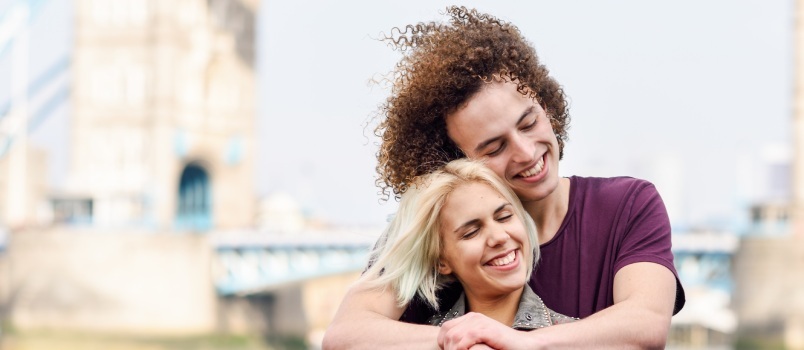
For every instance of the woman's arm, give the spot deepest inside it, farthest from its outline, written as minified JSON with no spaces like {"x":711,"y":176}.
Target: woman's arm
{"x":367,"y":319}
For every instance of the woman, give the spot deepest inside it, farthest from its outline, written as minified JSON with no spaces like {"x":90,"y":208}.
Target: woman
{"x":474,"y":87}
{"x":463,"y":223}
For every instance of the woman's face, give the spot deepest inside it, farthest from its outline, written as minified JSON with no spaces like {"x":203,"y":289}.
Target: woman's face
{"x":484,"y":244}
{"x":513,"y":135}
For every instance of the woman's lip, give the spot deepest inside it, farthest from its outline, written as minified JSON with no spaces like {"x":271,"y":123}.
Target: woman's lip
{"x":514,"y":264}
{"x":501,"y":255}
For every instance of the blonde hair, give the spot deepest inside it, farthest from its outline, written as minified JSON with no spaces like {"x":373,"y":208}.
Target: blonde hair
{"x":406,"y":256}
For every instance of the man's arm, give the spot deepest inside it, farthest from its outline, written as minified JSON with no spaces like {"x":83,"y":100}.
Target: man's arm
{"x":644,"y":294}
{"x":367,"y":319}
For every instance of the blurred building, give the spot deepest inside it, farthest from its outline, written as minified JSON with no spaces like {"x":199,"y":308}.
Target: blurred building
{"x":280,"y":212}
{"x":162,"y":124}
{"x":163,"y":114}
{"x":770,"y":262}
{"x":162,"y":118}
{"x":156,"y":228}
{"x":703,"y":259}
{"x":23,"y":189}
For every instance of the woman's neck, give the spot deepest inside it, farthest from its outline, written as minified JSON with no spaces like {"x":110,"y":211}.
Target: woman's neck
{"x":549,"y":213}
{"x":502,"y":308}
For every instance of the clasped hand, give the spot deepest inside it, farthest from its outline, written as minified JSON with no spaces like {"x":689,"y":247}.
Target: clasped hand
{"x":476,"y":331}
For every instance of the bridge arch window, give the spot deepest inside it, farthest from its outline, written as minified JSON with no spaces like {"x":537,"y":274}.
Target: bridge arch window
{"x":194,"y":199}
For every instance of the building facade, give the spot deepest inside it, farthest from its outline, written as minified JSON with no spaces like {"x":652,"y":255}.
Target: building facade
{"x":769,"y":264}
{"x":163,"y":115}
{"x":162,"y":140}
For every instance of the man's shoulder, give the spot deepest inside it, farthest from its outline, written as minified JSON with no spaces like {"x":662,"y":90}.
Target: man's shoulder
{"x":609,"y":195}
{"x":609,"y":181}
{"x":607,"y":186}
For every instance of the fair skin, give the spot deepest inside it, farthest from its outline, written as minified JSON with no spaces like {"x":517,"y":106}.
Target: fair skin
{"x":512,"y":134}
{"x":517,"y":142}
{"x":486,"y":248}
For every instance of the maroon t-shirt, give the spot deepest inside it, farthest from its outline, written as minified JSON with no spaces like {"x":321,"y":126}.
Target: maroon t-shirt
{"x":610,"y":223}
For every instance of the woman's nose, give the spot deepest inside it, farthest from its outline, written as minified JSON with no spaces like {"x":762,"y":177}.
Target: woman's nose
{"x":497,"y":237}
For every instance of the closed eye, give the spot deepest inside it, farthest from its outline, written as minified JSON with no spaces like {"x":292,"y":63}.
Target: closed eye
{"x":505,"y":217}
{"x":470,"y":234}
{"x":529,"y":126}
{"x":504,"y":212}
{"x":497,"y":151}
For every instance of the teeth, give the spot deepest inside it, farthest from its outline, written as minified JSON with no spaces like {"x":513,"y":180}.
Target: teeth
{"x":534,"y":170}
{"x":504,"y":260}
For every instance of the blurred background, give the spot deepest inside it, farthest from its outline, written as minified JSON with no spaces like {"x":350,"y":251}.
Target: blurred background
{"x":199,"y":174}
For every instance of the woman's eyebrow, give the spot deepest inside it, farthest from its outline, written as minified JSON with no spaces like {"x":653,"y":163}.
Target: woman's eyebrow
{"x":476,"y":221}
{"x":500,"y":208}
{"x":468,"y":223}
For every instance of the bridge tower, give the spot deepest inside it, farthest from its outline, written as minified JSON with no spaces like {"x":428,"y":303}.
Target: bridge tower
{"x":163,"y":114}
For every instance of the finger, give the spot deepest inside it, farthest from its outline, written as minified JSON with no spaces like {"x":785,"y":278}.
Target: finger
{"x":481,"y":346}
{"x":466,"y":331}
{"x":462,"y":338}
{"x":448,"y":327}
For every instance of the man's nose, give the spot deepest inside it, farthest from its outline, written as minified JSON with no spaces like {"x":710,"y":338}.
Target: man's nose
{"x":523,"y":150}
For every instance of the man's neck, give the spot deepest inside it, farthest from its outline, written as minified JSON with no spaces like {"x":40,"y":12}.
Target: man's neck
{"x":549,"y":213}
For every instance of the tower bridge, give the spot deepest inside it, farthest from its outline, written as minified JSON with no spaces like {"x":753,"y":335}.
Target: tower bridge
{"x":704,"y":264}
{"x":254,"y":263}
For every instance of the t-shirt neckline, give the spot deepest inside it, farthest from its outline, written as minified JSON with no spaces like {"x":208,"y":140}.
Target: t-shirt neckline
{"x":570,"y":211}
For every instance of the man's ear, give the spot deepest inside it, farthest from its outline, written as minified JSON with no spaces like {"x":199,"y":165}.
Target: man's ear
{"x":443,"y":267}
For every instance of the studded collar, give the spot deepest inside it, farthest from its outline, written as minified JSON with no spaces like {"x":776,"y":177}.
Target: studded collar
{"x":531,"y":313}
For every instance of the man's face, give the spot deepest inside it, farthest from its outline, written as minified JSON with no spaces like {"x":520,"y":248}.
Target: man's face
{"x":512,"y":134}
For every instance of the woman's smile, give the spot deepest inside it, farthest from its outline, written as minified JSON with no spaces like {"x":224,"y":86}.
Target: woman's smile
{"x":484,"y":242}
{"x":507,"y":261}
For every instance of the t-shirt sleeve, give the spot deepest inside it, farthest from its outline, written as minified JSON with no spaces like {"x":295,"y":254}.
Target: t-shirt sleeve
{"x":647,"y":236}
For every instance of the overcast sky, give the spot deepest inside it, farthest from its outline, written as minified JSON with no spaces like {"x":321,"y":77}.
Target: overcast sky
{"x":689,"y":94}
{"x":693,"y":95}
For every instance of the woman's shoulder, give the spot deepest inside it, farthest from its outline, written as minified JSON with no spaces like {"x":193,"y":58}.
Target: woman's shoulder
{"x":457,"y":310}
{"x":534,"y":314}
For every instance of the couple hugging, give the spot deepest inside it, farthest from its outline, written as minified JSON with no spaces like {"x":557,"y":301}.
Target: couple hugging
{"x":490,"y":246}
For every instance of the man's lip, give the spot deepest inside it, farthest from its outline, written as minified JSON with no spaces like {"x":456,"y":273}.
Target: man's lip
{"x":543,"y":157}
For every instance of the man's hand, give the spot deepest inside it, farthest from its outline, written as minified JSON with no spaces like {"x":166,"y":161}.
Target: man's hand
{"x":476,"y":331}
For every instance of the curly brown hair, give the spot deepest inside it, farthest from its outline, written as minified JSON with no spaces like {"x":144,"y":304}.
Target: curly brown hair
{"x":443,"y":65}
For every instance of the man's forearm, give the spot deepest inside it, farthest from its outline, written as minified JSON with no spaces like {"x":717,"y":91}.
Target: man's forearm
{"x":639,"y":319}
{"x":378,"y":332}
{"x":621,"y":326}
{"x":367,"y":319}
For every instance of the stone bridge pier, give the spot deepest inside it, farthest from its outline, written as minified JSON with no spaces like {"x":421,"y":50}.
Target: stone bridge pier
{"x":177,"y":284}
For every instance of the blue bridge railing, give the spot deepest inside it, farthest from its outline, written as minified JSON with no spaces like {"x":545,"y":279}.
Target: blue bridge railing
{"x":257,"y":263}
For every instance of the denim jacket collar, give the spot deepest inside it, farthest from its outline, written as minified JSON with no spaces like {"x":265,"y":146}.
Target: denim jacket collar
{"x":531,"y":313}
